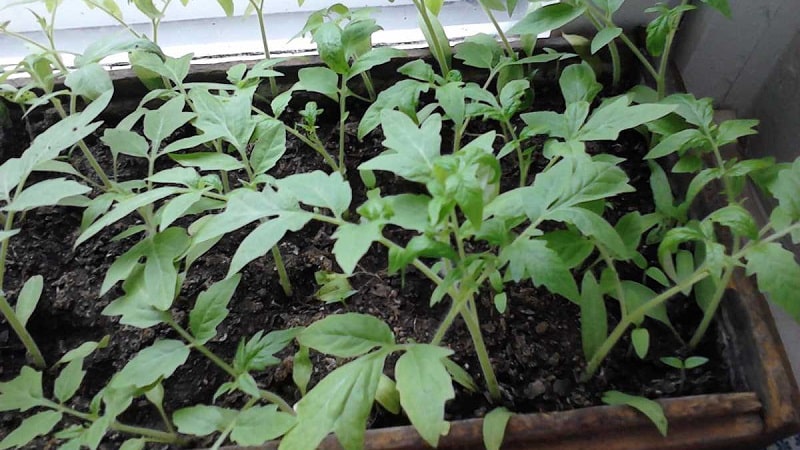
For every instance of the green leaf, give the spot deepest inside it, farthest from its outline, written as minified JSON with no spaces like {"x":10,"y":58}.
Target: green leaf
{"x":694,"y":361}
{"x":28,"y":298}
{"x":84,"y":350}
{"x":648,"y":407}
{"x":126,"y":142}
{"x":674,"y":143}
{"x":777,"y":273}
{"x":266,"y":236}
{"x":227,"y":6}
{"x":160,"y":275}
{"x":23,"y":392}
{"x":578,"y":83}
{"x":260,"y":424}
{"x":162,"y":122}
{"x":209,"y":161}
{"x":547,"y":18}
{"x":451,"y":98}
{"x":785,"y":189}
{"x":699,"y":112}
{"x":328,"y":37}
{"x":532,"y":258}
{"x":604,"y":37}
{"x":269,"y":145}
{"x":373,"y":58}
{"x":112,"y":45}
{"x":425,"y":386}
{"x":37,"y":425}
{"x":318,"y":79}
{"x":69,"y":380}
{"x":412,"y":150}
{"x":46,"y":193}
{"x":346,"y":335}
{"x":673,"y":362}
{"x":89,"y":81}
{"x":636,"y":295}
{"x":210,"y":309}
{"x":149,"y":365}
{"x":738,"y":219}
{"x":387,"y":395}
{"x":133,"y":444}
{"x":616,"y":115}
{"x":720,"y":5}
{"x":190,"y":142}
{"x":258,"y":352}
{"x":640,"y":338}
{"x":227,"y":117}
{"x":403,"y":95}
{"x":202,"y":420}
{"x":124,"y":208}
{"x":353,"y":241}
{"x":594,"y":319}
{"x":340,"y":403}
{"x":494,"y":428}
{"x":591,"y":224}
{"x":460,"y":375}
{"x":302,"y":369}
{"x":731,"y":130}
{"x":177,"y":207}
{"x":319,"y":189}
{"x":481,"y":51}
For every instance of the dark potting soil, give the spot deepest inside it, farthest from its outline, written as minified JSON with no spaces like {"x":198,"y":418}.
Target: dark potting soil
{"x":535,"y":346}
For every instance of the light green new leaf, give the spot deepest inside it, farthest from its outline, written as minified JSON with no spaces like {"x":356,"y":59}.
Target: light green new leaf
{"x":202,"y":420}
{"x":89,"y":81}
{"x":149,"y":365}
{"x":28,"y":298}
{"x":425,"y":386}
{"x":46,"y":193}
{"x":403,"y":94}
{"x":244,"y":206}
{"x":604,"y":37}
{"x":23,"y":392}
{"x":451,"y":98}
{"x":494,"y":427}
{"x":532,"y":258}
{"x":209,"y":161}
{"x":30,"y":428}
{"x":266,"y":236}
{"x":102,"y":48}
{"x":614,"y":116}
{"x":481,"y":51}
{"x":346,"y":335}
{"x":210,"y":309}
{"x":579,"y":84}
{"x":162,"y":122}
{"x":126,"y":142}
{"x":193,"y":141}
{"x":777,"y":273}
{"x":340,"y":403}
{"x":69,"y":380}
{"x":594,"y":319}
{"x":720,"y":5}
{"x":731,"y":130}
{"x":302,"y":368}
{"x":648,"y":407}
{"x":318,"y":79}
{"x":124,"y":208}
{"x":260,"y":424}
{"x":227,"y":6}
{"x":547,"y":18}
{"x":412,"y":149}
{"x":317,"y":188}
{"x":353,"y":241}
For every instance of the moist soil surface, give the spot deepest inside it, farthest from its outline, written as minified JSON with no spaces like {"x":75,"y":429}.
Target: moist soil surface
{"x":535,"y":346}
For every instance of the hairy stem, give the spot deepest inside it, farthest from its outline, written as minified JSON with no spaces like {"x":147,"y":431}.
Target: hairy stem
{"x":273,"y":86}
{"x":506,"y":45}
{"x":438,"y":49}
{"x":470,"y":315}
{"x":21,"y":332}
{"x":343,"y":91}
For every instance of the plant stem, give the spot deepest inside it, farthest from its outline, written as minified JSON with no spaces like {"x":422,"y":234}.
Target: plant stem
{"x":506,"y":45}
{"x":265,"y":394}
{"x":711,"y":309}
{"x":342,"y":119}
{"x":85,"y":149}
{"x":623,"y":308}
{"x":661,"y":80}
{"x":470,"y":315}
{"x":438,"y":50}
{"x":19,"y":329}
{"x":273,"y":86}
{"x":612,"y":49}
{"x":283,"y":277}
{"x":368,"y":84}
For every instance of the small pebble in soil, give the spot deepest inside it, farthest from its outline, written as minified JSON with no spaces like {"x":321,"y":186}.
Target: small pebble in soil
{"x":541,"y":327}
{"x":535,"y":389}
